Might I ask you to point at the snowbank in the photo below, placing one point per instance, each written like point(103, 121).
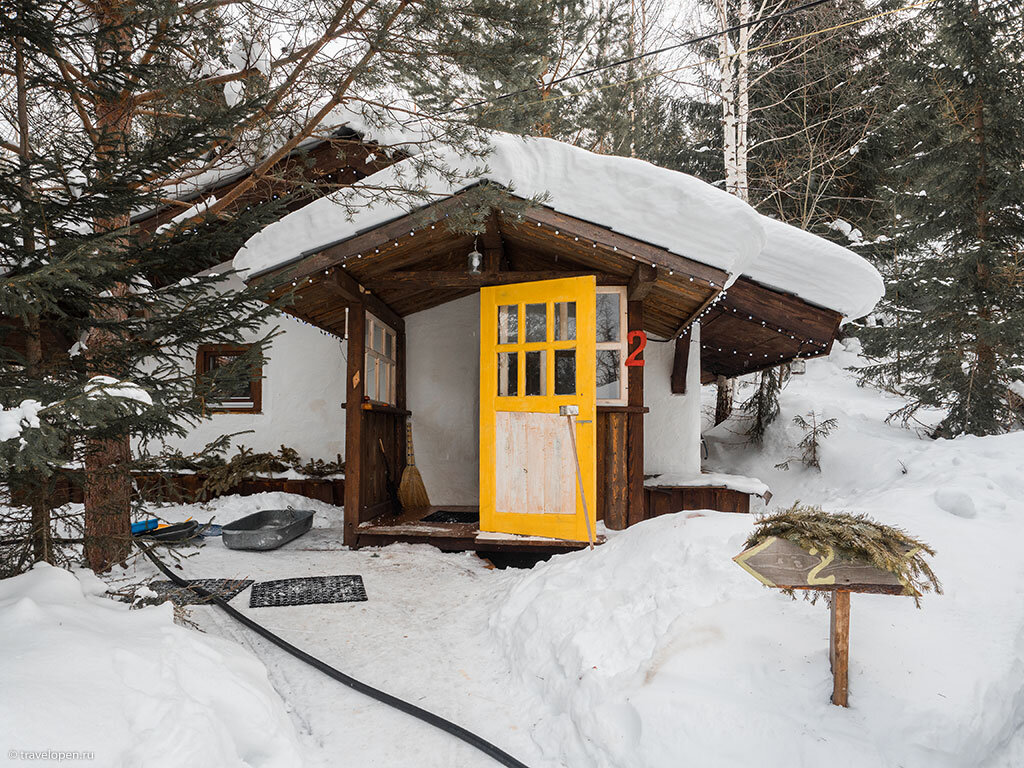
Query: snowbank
point(657, 650)
point(81, 672)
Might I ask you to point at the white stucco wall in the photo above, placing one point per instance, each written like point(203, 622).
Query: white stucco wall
point(672, 427)
point(443, 393)
point(444, 397)
point(303, 389)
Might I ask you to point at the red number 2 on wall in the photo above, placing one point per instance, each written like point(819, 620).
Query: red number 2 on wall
point(634, 358)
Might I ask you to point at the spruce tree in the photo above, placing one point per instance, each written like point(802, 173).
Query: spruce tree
point(124, 107)
point(953, 336)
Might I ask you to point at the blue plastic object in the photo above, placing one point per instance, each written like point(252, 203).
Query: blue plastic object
point(145, 525)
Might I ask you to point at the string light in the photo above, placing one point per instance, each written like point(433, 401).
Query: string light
point(712, 305)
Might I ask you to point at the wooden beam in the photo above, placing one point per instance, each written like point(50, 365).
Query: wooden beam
point(348, 289)
point(615, 460)
point(613, 241)
point(448, 279)
point(642, 281)
point(494, 247)
point(354, 422)
point(635, 425)
point(332, 254)
point(679, 363)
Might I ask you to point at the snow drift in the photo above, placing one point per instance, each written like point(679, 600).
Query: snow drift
point(657, 650)
point(82, 672)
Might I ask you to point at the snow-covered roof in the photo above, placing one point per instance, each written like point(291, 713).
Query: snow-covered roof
point(815, 269)
point(665, 208)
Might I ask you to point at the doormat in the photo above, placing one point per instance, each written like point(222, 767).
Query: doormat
point(452, 516)
point(222, 588)
point(307, 591)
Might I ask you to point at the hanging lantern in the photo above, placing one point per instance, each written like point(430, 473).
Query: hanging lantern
point(474, 261)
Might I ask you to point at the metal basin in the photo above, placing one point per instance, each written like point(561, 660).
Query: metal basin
point(267, 529)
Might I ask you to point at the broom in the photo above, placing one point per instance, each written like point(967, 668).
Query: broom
point(412, 493)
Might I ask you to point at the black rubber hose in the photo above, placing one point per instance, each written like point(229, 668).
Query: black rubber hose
point(386, 698)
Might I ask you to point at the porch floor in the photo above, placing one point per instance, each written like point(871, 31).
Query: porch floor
point(410, 528)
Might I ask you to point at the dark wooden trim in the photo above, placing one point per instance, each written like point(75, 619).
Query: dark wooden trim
point(623, 409)
point(354, 421)
point(635, 425)
point(380, 237)
point(204, 352)
point(494, 246)
point(679, 363)
point(642, 281)
point(614, 462)
point(401, 367)
point(427, 278)
point(347, 288)
point(612, 240)
point(382, 408)
point(779, 309)
point(663, 500)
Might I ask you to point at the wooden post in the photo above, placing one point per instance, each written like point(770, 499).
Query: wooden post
point(679, 363)
point(635, 425)
point(839, 647)
point(354, 421)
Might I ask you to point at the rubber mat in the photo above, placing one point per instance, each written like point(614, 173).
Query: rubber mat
point(223, 588)
point(452, 516)
point(307, 591)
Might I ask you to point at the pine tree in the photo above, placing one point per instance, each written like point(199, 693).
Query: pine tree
point(122, 106)
point(954, 338)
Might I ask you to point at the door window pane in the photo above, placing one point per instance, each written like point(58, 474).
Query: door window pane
point(536, 322)
point(378, 338)
point(608, 317)
point(536, 371)
point(388, 348)
point(608, 372)
point(508, 374)
point(565, 320)
point(565, 371)
point(508, 324)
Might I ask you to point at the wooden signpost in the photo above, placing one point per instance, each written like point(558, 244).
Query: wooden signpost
point(782, 563)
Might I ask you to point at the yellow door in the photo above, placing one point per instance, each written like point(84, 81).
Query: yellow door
point(537, 354)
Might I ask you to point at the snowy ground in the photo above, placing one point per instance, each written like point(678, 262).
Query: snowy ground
point(656, 649)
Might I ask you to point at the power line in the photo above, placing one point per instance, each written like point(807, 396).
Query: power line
point(638, 57)
point(692, 65)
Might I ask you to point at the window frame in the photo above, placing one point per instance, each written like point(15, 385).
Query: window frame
point(252, 404)
point(622, 346)
point(380, 362)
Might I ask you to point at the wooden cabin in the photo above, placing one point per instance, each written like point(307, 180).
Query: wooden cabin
point(551, 362)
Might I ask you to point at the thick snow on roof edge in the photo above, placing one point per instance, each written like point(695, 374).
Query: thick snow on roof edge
point(665, 208)
point(815, 269)
point(633, 197)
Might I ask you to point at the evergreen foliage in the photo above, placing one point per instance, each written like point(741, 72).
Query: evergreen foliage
point(116, 109)
point(951, 333)
point(762, 408)
point(810, 444)
point(855, 537)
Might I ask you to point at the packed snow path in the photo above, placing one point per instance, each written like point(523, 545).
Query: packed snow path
point(655, 650)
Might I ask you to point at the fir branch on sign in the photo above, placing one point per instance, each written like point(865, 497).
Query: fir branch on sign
point(854, 537)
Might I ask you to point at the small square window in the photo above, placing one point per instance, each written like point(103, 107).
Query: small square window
point(236, 393)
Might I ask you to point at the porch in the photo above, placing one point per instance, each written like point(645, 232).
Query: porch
point(405, 296)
